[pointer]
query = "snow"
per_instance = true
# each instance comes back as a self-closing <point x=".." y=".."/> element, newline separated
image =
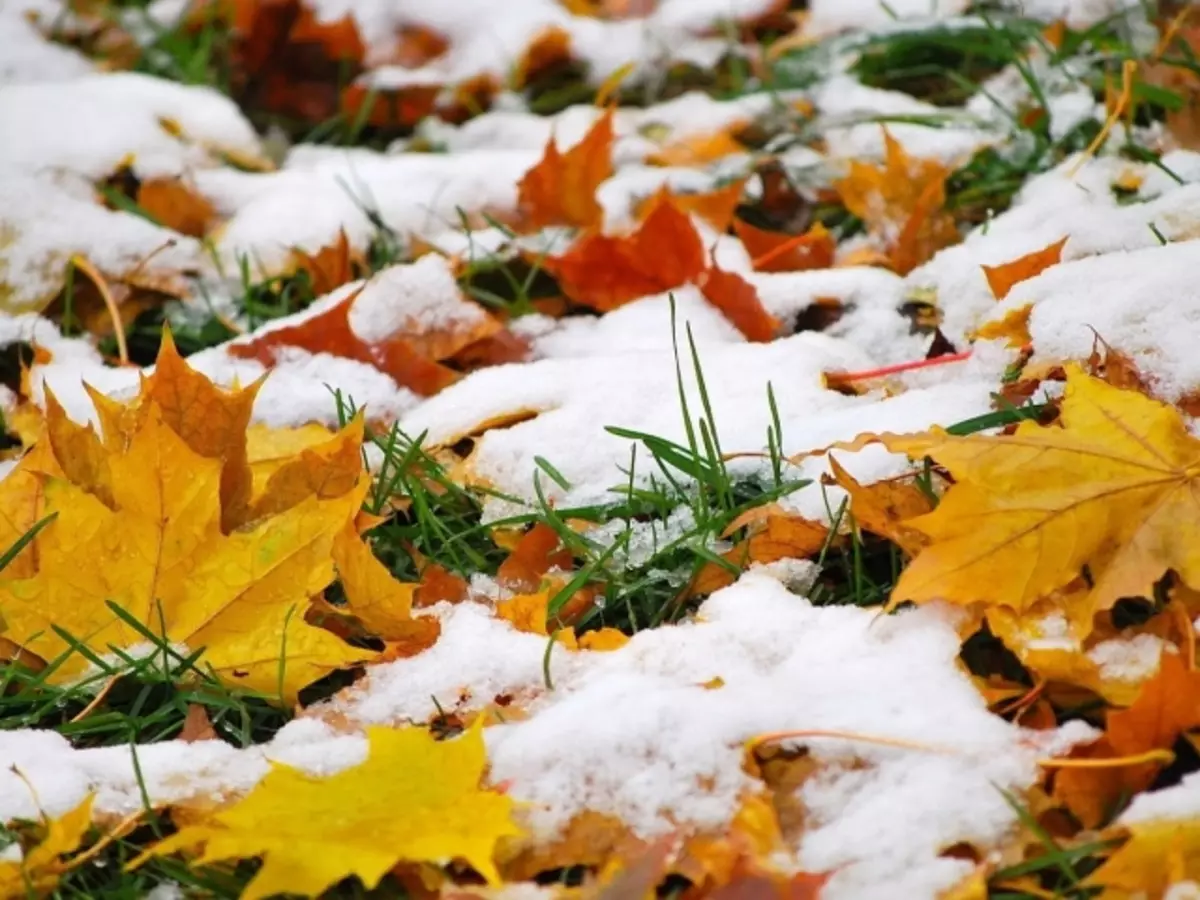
<point x="654" y="731"/>
<point x="162" y="127"/>
<point x="673" y="755"/>
<point x="305" y="205"/>
<point x="1182" y="801"/>
<point x="44" y="222"/>
<point x="1144" y="303"/>
<point x="417" y="297"/>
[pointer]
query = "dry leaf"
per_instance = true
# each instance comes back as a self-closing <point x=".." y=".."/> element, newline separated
<point x="1158" y="854"/>
<point x="901" y="204"/>
<point x="715" y="207"/>
<point x="773" y="535"/>
<point x="330" y="267"/>
<point x="1002" y="279"/>
<point x="146" y="535"/>
<point x="561" y="188"/>
<point x="884" y="507"/>
<point x="1112" y="487"/>
<point x="330" y="332"/>
<point x="1168" y="705"/>
<point x="1013" y="328"/>
<point x="605" y="272"/>
<point x="176" y="205"/>
<point x="774" y="251"/>
<point x="413" y="799"/>
<point x="196" y="725"/>
<point x="737" y="299"/>
<point x="37" y="871"/>
<point x="439" y="585"/>
<point x="536" y="553"/>
<point x="697" y="151"/>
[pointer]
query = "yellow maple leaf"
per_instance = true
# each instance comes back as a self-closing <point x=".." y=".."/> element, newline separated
<point x="141" y="520"/>
<point x="160" y="555"/>
<point x="414" y="799"/>
<point x="1114" y="487"/>
<point x="37" y="872"/>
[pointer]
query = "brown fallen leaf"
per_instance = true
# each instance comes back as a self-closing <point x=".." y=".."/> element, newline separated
<point x="536" y="553"/>
<point x="773" y="535"/>
<point x="331" y="266"/>
<point x="197" y="726"/>
<point x="738" y="302"/>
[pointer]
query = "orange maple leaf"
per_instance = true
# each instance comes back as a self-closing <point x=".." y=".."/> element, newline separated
<point x="772" y="534"/>
<point x="174" y="204"/>
<point x="737" y="299"/>
<point x="561" y="188"/>
<point x="536" y="553"/>
<point x="716" y="207"/>
<point x="1168" y="706"/>
<point x="1003" y="278"/>
<point x="774" y="251"/>
<point x="606" y="272"/>
<point x="901" y="204"/>
<point x="331" y="266"/>
<point x="330" y="332"/>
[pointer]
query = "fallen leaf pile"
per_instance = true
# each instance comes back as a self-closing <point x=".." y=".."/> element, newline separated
<point x="599" y="449"/>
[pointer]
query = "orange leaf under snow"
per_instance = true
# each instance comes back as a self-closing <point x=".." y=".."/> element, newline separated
<point x="715" y="207"/>
<point x="1002" y="279"/>
<point x="773" y="535"/>
<point x="561" y="188"/>
<point x="605" y="272"/>
<point x="172" y="203"/>
<point x="439" y="585"/>
<point x="901" y="204"/>
<point x="737" y="299"/>
<point x="330" y="332"/>
<point x="536" y="553"/>
<point x="1168" y="706"/>
<point x="330" y="267"/>
<point x="774" y="251"/>
<point x="697" y="151"/>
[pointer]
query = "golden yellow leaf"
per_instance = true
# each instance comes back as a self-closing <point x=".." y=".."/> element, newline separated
<point x="380" y="602"/>
<point x="325" y="470"/>
<point x="210" y="420"/>
<point x="883" y="508"/>
<point x="1013" y="327"/>
<point x="603" y="639"/>
<point x="414" y="799"/>
<point x="528" y="612"/>
<point x="160" y="555"/>
<point x="1113" y="488"/>
<point x="1157" y="855"/>
<point x="37" y="873"/>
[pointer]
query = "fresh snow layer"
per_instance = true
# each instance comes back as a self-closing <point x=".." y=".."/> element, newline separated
<point x="879" y="816"/>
